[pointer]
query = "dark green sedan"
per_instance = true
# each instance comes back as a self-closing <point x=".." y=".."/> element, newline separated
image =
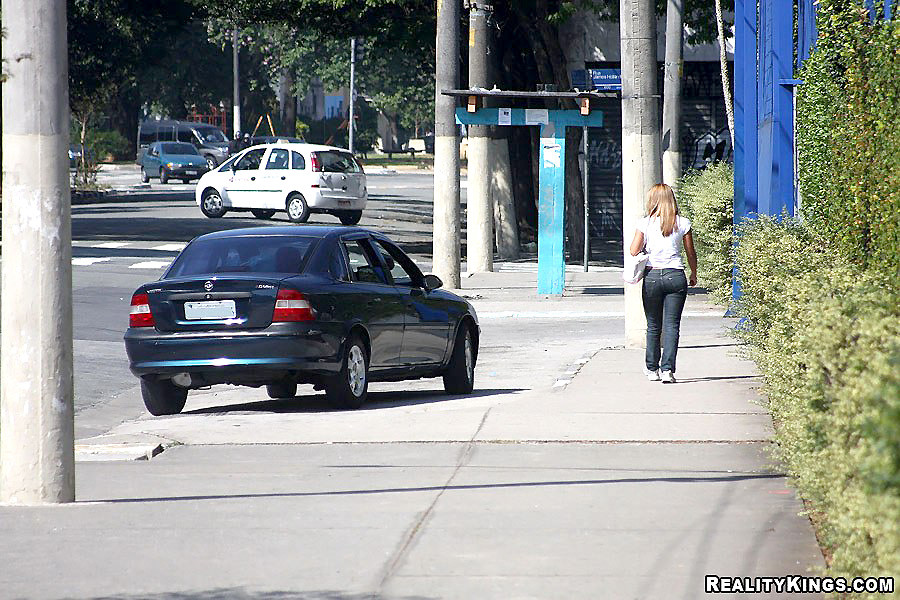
<point x="336" y="307"/>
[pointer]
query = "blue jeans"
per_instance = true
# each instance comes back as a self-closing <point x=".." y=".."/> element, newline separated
<point x="664" y="293"/>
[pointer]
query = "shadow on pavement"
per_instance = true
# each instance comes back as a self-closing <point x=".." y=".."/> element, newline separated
<point x="723" y="378"/>
<point x="468" y="487"/>
<point x="242" y="594"/>
<point x="313" y="403"/>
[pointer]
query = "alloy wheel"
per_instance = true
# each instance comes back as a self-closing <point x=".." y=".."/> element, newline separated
<point x="356" y="370"/>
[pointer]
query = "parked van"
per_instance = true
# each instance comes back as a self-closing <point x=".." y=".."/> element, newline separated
<point x="209" y="139"/>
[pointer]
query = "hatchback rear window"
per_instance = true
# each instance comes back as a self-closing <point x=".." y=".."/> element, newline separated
<point x="179" y="149"/>
<point x="332" y="161"/>
<point x="245" y="254"/>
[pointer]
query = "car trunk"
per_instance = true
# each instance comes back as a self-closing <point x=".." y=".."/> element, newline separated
<point x="341" y="176"/>
<point x="219" y="303"/>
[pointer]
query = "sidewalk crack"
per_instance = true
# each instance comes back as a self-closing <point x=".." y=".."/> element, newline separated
<point x="407" y="542"/>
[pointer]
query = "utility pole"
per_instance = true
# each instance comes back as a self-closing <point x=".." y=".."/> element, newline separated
<point x="480" y="214"/>
<point x="236" y="94"/>
<point x="641" y="166"/>
<point x="351" y="125"/>
<point x="37" y="457"/>
<point x="671" y="117"/>
<point x="446" y="146"/>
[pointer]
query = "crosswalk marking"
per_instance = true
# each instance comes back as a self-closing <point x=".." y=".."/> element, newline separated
<point x="150" y="264"/>
<point x="87" y="261"/>
<point x="170" y="247"/>
<point x="111" y="245"/>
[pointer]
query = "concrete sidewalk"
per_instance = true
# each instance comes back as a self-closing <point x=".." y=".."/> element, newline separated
<point x="606" y="486"/>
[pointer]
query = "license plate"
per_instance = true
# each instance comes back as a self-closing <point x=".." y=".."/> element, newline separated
<point x="343" y="203"/>
<point x="191" y="172"/>
<point x="213" y="309"/>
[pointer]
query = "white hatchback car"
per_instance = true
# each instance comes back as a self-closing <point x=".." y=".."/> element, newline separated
<point x="297" y="178"/>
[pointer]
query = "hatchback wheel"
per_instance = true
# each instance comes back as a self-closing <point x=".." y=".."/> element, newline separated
<point x="144" y="177"/>
<point x="211" y="204"/>
<point x="210" y="162"/>
<point x="297" y="209"/>
<point x="162" y="397"/>
<point x="163" y="175"/>
<point x="262" y="214"/>
<point x="281" y="390"/>
<point x="350" y="217"/>
<point x="459" y="378"/>
<point x="348" y="388"/>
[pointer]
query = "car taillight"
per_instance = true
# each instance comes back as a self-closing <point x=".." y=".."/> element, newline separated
<point x="314" y="162"/>
<point x="291" y="305"/>
<point x="140" y="315"/>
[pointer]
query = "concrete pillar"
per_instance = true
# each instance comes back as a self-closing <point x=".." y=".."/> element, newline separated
<point x="446" y="147"/>
<point x="671" y="119"/>
<point x="641" y="165"/>
<point x="236" y="82"/>
<point x="479" y="213"/>
<point x="37" y="462"/>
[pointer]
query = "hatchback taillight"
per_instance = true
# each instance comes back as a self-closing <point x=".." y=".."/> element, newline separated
<point x="291" y="305"/>
<point x="140" y="315"/>
<point x="314" y="163"/>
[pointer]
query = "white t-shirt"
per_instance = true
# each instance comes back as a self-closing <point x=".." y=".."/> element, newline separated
<point x="664" y="251"/>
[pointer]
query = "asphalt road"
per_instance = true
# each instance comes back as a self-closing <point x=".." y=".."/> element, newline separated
<point x="130" y="239"/>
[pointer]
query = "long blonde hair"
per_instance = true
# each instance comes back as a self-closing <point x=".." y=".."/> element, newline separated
<point x="661" y="203"/>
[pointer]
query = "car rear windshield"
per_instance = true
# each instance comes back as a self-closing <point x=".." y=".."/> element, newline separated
<point x="179" y="149"/>
<point x="333" y="161"/>
<point x="242" y="254"/>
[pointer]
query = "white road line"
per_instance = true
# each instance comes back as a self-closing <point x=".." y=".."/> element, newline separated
<point x="85" y="261"/>
<point x="150" y="264"/>
<point x="110" y="245"/>
<point x="170" y="247"/>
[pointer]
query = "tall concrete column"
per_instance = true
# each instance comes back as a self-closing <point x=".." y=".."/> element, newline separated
<point x="479" y="215"/>
<point x="446" y="146"/>
<point x="37" y="462"/>
<point x="671" y="119"/>
<point x="641" y="165"/>
<point x="236" y="81"/>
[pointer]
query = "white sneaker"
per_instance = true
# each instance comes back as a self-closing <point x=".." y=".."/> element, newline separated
<point x="652" y="375"/>
<point x="668" y="377"/>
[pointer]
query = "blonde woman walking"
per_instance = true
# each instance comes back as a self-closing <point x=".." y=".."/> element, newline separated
<point x="662" y="233"/>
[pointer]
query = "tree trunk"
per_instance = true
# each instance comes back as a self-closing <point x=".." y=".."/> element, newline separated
<point x="723" y="62"/>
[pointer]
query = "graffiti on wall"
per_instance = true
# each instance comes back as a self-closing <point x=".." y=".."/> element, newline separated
<point x="605" y="154"/>
<point x="712" y="146"/>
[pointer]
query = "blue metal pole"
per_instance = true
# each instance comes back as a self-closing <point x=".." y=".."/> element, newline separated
<point x="783" y="189"/>
<point x="745" y="119"/>
<point x="551" y="216"/>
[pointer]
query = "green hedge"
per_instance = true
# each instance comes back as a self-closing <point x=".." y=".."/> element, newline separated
<point x="826" y="337"/>
<point x="707" y="198"/>
<point x="848" y="134"/>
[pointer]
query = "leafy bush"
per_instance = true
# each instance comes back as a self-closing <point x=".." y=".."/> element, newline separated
<point x="826" y="336"/>
<point x="707" y="199"/>
<point x="109" y="145"/>
<point x="848" y="134"/>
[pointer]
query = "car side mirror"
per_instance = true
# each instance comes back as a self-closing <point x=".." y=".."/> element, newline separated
<point x="233" y="167"/>
<point x="432" y="282"/>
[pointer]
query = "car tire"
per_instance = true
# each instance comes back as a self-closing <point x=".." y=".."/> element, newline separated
<point x="264" y="214"/>
<point x="210" y="162"/>
<point x="349" y="387"/>
<point x="350" y="217"/>
<point x="162" y="397"/>
<point x="297" y="208"/>
<point x="163" y="175"/>
<point x="211" y="204"/>
<point x="281" y="390"/>
<point x="144" y="177"/>
<point x="459" y="378"/>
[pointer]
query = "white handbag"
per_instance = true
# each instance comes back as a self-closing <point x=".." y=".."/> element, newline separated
<point x="635" y="266"/>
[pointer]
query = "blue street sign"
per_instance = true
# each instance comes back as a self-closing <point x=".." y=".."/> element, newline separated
<point x="601" y="78"/>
